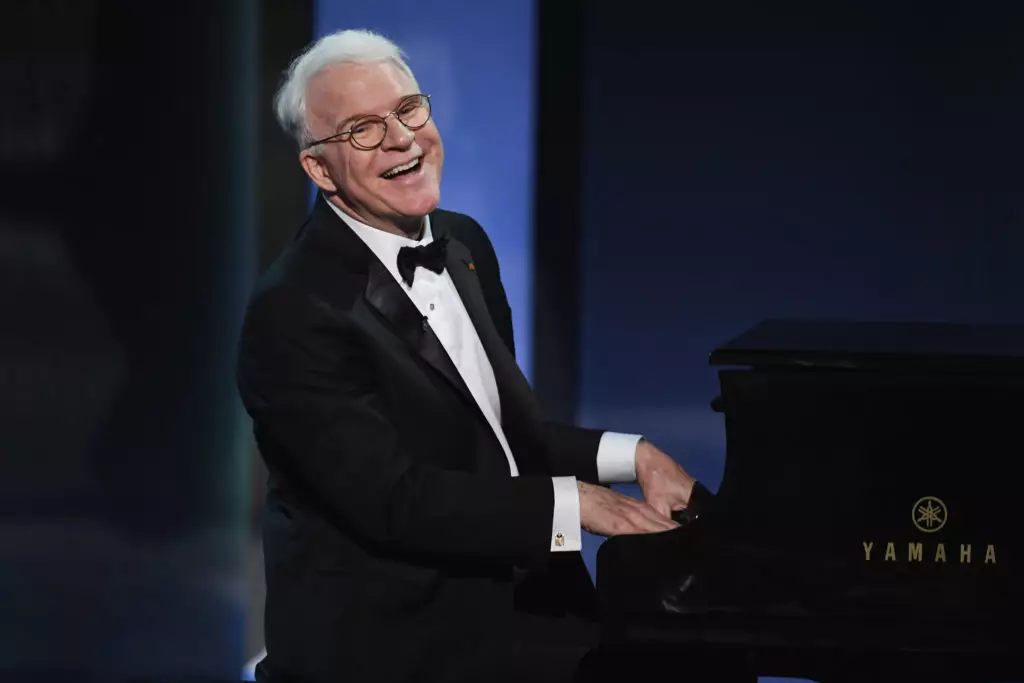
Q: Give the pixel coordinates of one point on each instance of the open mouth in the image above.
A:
(404, 169)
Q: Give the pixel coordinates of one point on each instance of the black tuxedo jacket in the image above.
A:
(392, 523)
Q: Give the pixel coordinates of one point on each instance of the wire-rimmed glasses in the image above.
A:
(368, 132)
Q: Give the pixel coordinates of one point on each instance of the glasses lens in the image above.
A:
(414, 112)
(368, 133)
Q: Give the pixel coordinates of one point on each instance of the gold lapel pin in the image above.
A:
(471, 266)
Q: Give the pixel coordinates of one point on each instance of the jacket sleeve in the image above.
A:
(573, 450)
(312, 393)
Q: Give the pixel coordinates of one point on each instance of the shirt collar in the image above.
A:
(384, 245)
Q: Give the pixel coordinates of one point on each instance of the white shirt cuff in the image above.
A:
(616, 458)
(566, 535)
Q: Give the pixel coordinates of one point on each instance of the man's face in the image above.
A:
(339, 96)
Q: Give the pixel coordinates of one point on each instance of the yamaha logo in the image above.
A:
(928, 514)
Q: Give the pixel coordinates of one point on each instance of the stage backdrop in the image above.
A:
(476, 62)
(831, 166)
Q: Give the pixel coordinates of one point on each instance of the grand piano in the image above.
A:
(869, 525)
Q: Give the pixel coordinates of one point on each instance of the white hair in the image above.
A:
(357, 46)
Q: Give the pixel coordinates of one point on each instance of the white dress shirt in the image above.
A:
(436, 298)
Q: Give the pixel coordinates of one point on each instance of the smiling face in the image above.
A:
(364, 183)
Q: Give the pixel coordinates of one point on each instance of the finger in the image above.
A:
(661, 507)
(643, 518)
(632, 521)
(665, 518)
(668, 523)
(650, 526)
(650, 520)
(656, 509)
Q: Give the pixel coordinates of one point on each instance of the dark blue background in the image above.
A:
(742, 164)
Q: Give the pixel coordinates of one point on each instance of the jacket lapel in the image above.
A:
(385, 295)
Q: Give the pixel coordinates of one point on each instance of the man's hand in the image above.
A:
(609, 513)
(665, 484)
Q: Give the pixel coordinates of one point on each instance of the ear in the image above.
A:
(317, 171)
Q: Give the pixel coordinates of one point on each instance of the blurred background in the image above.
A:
(657, 177)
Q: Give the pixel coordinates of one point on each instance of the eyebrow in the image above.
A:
(341, 124)
(338, 126)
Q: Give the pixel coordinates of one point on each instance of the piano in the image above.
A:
(869, 525)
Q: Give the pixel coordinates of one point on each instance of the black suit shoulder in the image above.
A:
(467, 230)
(323, 267)
(301, 297)
(307, 272)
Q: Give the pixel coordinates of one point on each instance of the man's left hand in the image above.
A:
(665, 484)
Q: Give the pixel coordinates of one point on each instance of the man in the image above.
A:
(423, 521)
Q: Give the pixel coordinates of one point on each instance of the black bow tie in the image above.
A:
(431, 256)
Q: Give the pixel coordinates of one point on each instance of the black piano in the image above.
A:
(869, 525)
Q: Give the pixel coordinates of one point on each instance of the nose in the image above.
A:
(397, 136)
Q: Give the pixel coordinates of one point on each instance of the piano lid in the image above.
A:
(875, 345)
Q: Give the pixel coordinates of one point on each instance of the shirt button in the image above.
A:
(431, 306)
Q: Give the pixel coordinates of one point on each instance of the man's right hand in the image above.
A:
(608, 513)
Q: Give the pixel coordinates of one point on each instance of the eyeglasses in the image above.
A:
(368, 132)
